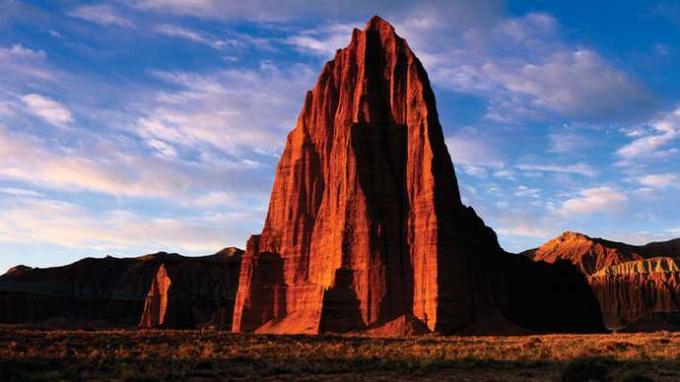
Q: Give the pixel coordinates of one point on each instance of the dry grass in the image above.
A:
(196, 355)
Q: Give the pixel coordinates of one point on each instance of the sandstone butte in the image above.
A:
(366, 230)
(633, 284)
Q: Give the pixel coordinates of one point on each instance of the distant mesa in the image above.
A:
(111, 292)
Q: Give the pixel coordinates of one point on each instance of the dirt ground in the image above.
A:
(129, 355)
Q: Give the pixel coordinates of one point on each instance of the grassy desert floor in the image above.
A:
(208, 355)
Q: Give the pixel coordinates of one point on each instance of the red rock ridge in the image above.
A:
(588, 254)
(365, 222)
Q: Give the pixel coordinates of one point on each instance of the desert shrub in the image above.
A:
(586, 369)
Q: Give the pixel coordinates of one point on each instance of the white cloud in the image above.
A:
(229, 110)
(525, 229)
(20, 192)
(527, 191)
(468, 149)
(47, 109)
(526, 71)
(19, 62)
(651, 143)
(102, 14)
(323, 41)
(593, 200)
(177, 31)
(577, 168)
(660, 180)
(568, 143)
(104, 165)
(30, 221)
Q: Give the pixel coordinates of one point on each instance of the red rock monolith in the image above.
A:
(365, 223)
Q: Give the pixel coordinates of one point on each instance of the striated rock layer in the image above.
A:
(366, 229)
(638, 290)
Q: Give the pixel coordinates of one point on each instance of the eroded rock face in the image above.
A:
(365, 222)
(637, 290)
(195, 293)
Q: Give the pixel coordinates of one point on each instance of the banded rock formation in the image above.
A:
(366, 230)
(638, 290)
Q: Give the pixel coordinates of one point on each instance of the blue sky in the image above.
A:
(132, 126)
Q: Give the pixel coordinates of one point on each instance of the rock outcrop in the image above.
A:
(638, 290)
(195, 293)
(366, 229)
(90, 292)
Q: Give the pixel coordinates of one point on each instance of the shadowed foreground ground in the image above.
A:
(196, 355)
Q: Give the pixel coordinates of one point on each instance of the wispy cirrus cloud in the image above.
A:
(577, 168)
(653, 142)
(106, 166)
(20, 62)
(102, 14)
(180, 32)
(227, 110)
(31, 220)
(660, 180)
(47, 109)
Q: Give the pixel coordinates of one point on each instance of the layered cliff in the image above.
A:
(105, 291)
(638, 290)
(366, 230)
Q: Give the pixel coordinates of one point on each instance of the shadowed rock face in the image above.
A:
(101, 292)
(365, 213)
(366, 228)
(550, 297)
(187, 294)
